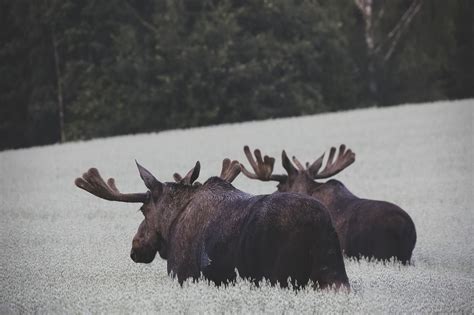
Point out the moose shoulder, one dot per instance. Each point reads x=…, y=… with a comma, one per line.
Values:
x=369, y=228
x=214, y=228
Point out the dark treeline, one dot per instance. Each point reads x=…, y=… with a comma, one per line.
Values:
x=74, y=69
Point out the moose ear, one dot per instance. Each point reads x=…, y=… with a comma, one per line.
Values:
x=285, y=161
x=150, y=181
x=195, y=172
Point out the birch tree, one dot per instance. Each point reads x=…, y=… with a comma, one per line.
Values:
x=381, y=46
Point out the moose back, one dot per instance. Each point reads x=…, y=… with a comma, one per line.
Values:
x=214, y=228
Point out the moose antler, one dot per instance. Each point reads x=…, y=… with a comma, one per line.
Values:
x=93, y=183
x=343, y=160
x=190, y=177
x=263, y=168
x=230, y=170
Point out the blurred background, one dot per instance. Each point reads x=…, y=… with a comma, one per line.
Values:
x=75, y=69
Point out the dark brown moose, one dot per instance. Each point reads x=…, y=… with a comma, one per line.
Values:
x=213, y=229
x=369, y=228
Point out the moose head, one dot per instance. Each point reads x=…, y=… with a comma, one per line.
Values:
x=161, y=204
x=298, y=179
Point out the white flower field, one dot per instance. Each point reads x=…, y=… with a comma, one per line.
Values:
x=66, y=251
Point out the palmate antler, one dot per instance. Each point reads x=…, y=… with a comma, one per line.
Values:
x=230, y=170
x=263, y=168
x=93, y=183
x=343, y=160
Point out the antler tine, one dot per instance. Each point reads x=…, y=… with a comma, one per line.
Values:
x=93, y=183
x=343, y=160
x=225, y=167
x=263, y=168
x=111, y=184
x=297, y=163
x=313, y=169
x=177, y=178
x=230, y=170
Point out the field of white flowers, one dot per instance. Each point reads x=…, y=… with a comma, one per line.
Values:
x=65, y=251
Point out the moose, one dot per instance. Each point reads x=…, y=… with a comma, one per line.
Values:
x=213, y=229
x=369, y=228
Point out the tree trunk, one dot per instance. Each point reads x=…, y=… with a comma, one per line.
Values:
x=366, y=8
x=376, y=55
x=59, y=87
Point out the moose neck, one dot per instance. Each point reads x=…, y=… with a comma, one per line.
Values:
x=198, y=203
x=174, y=205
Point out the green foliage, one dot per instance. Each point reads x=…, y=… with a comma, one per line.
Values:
x=124, y=66
x=225, y=63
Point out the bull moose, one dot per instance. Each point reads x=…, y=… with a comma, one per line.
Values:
x=369, y=228
x=213, y=229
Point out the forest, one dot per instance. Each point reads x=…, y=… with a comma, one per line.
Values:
x=81, y=69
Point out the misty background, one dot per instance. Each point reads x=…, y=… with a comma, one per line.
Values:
x=75, y=70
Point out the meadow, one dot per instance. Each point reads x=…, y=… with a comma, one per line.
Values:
x=65, y=251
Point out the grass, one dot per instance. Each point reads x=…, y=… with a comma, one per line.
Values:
x=66, y=251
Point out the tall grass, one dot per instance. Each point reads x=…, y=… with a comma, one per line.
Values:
x=65, y=251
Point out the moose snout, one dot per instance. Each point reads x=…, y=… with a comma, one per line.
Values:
x=142, y=255
x=133, y=255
